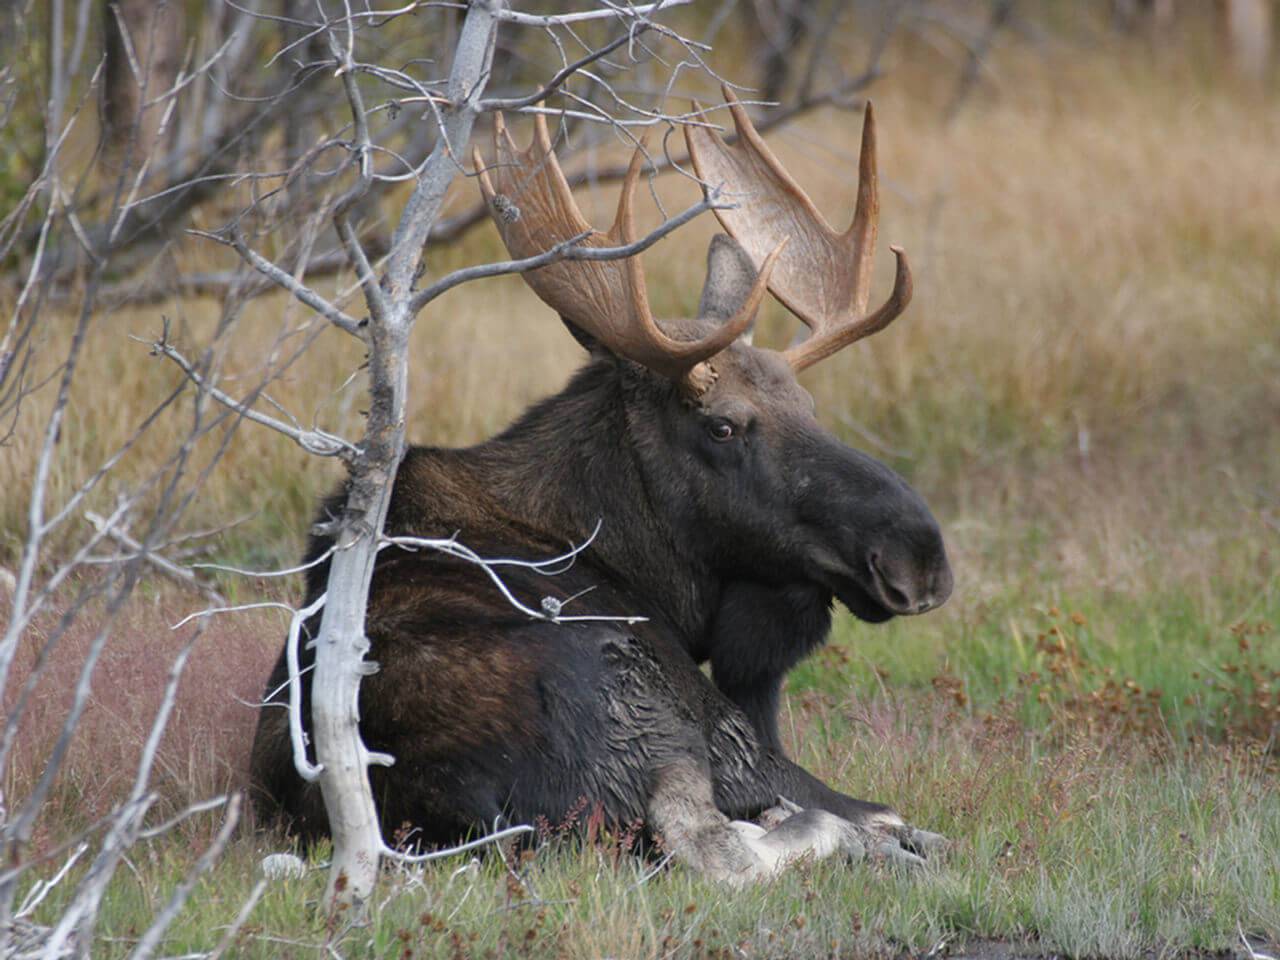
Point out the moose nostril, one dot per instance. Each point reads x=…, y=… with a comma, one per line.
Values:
x=895, y=597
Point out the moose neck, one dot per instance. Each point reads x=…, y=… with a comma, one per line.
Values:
x=571, y=463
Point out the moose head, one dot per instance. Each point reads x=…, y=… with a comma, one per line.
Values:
x=731, y=451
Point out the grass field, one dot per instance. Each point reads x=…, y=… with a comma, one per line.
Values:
x=1086, y=389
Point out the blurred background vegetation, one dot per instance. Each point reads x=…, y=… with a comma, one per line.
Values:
x=1086, y=387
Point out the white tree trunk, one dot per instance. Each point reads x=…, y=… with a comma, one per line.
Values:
x=1248, y=28
x=341, y=645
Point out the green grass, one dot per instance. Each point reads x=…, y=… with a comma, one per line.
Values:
x=1160, y=656
x=1114, y=826
x=1082, y=849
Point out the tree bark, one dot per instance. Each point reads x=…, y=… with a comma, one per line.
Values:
x=1248, y=31
x=341, y=645
x=142, y=42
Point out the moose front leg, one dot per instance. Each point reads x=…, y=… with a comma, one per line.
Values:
x=759, y=634
x=748, y=778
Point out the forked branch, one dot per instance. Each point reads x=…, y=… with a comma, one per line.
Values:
x=234, y=238
x=574, y=249
x=316, y=441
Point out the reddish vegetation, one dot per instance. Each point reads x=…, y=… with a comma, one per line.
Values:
x=1079, y=705
x=205, y=748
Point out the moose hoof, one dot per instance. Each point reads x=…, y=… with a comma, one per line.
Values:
x=892, y=851
x=925, y=843
x=903, y=844
x=784, y=809
x=887, y=839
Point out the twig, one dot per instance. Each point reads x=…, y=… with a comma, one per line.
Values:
x=304, y=293
x=170, y=569
x=241, y=919
x=549, y=611
x=199, y=807
x=554, y=84
x=41, y=889
x=177, y=900
x=611, y=10
x=403, y=857
x=363, y=160
x=1249, y=951
x=567, y=250
x=307, y=770
x=235, y=608
x=300, y=568
x=318, y=442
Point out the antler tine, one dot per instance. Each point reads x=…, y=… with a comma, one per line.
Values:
x=606, y=299
x=820, y=346
x=866, y=215
x=824, y=277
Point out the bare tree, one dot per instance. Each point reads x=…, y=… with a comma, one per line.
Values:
x=142, y=47
x=1248, y=29
x=393, y=303
x=241, y=109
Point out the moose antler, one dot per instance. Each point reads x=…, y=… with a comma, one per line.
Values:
x=605, y=298
x=823, y=277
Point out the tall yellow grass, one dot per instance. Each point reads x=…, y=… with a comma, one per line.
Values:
x=1094, y=343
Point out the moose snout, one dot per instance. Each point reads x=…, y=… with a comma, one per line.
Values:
x=884, y=540
x=912, y=574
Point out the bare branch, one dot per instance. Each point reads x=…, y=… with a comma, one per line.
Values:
x=177, y=900
x=286, y=280
x=570, y=250
x=192, y=810
x=170, y=569
x=300, y=568
x=550, y=608
x=611, y=10
x=484, y=841
x=235, y=608
x=42, y=888
x=318, y=442
x=472, y=61
x=554, y=84
x=241, y=918
x=363, y=160
x=307, y=770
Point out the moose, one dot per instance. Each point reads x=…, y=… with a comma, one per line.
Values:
x=723, y=514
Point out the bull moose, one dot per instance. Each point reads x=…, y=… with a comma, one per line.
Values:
x=727, y=517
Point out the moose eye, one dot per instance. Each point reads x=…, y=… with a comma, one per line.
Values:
x=720, y=430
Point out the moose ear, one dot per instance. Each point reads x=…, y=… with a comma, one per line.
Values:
x=730, y=276
x=585, y=340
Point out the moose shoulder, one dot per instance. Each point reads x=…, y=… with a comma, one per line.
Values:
x=728, y=518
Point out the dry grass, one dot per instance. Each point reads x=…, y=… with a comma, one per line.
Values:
x=1087, y=388
x=1101, y=846
x=1095, y=255
x=205, y=750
